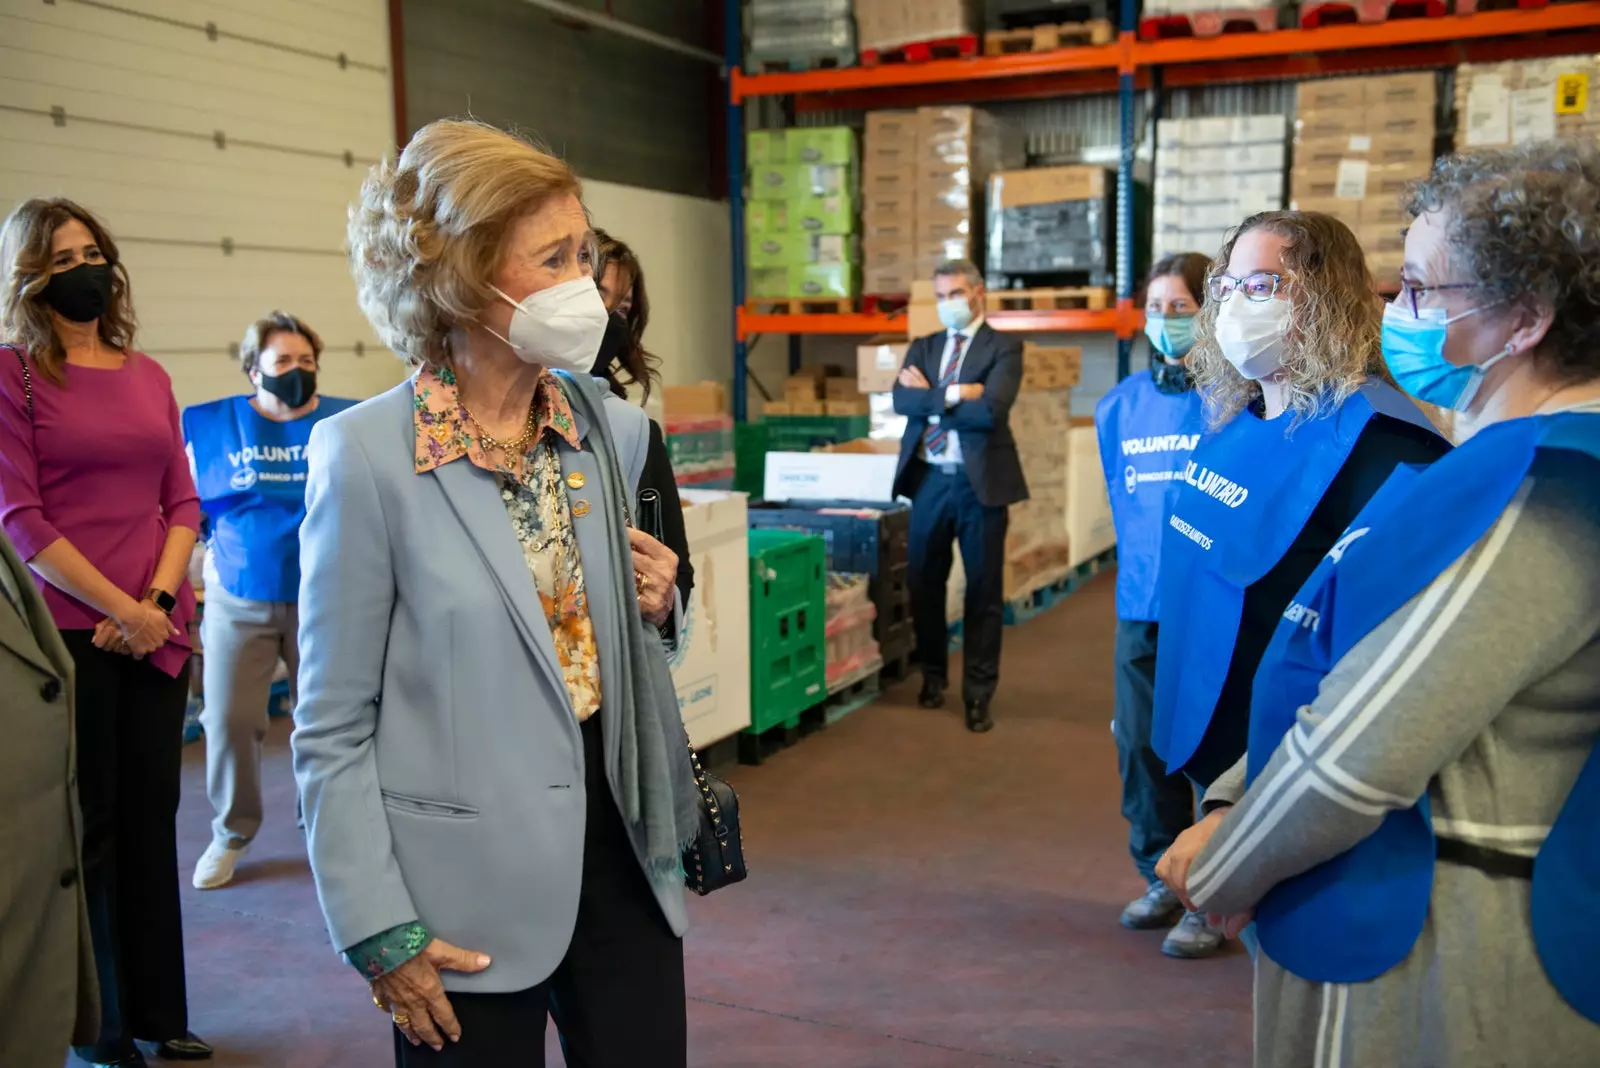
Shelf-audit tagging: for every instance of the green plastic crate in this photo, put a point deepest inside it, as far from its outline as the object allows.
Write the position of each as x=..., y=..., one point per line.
x=750, y=458
x=788, y=616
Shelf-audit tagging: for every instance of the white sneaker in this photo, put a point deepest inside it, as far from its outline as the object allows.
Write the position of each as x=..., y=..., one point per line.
x=215, y=869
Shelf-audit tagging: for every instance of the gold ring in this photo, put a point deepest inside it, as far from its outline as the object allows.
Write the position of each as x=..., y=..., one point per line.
x=641, y=581
x=379, y=1002
x=401, y=1019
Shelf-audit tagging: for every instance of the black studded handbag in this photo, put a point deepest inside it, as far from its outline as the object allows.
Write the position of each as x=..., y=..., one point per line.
x=716, y=857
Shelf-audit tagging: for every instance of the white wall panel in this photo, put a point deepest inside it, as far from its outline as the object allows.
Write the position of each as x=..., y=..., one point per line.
x=222, y=142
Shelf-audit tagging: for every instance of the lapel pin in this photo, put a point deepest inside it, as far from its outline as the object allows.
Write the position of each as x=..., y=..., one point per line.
x=576, y=480
x=580, y=508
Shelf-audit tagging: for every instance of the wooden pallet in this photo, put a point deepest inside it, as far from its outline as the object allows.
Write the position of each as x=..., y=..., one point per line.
x=1209, y=23
x=1317, y=14
x=853, y=694
x=963, y=47
x=1023, y=609
x=1467, y=7
x=885, y=303
x=1079, y=298
x=802, y=306
x=1048, y=38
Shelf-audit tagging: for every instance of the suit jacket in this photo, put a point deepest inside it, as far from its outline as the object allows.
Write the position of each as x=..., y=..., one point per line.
x=988, y=451
x=435, y=745
x=45, y=954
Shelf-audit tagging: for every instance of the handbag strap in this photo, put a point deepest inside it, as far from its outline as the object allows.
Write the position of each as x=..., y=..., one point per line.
x=27, y=378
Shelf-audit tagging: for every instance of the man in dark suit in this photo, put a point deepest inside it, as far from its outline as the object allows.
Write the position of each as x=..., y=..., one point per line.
x=959, y=466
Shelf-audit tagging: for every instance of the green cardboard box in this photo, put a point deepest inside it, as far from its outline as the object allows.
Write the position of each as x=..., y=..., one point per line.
x=785, y=181
x=809, y=281
x=822, y=215
x=786, y=250
x=821, y=144
x=766, y=216
x=763, y=147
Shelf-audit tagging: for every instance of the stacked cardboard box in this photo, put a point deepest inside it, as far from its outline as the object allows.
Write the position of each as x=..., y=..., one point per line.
x=1358, y=143
x=1051, y=220
x=800, y=34
x=888, y=203
x=1036, y=538
x=819, y=390
x=699, y=434
x=958, y=148
x=1526, y=100
x=800, y=217
x=1213, y=173
x=888, y=24
x=1050, y=367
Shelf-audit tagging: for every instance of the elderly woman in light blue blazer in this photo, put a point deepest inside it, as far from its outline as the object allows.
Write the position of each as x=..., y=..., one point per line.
x=495, y=789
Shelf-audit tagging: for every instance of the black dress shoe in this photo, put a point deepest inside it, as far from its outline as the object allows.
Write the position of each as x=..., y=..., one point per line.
x=132, y=1060
x=189, y=1047
x=978, y=721
x=932, y=695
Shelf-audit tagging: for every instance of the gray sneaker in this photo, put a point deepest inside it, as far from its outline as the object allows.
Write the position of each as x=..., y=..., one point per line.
x=1192, y=939
x=1154, y=908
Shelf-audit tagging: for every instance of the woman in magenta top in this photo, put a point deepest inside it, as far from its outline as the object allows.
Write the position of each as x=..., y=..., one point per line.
x=95, y=492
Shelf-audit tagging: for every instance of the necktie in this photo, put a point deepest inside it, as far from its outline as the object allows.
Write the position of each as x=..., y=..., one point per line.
x=934, y=437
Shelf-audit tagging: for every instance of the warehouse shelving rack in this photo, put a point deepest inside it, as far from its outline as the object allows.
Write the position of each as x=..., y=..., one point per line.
x=1125, y=66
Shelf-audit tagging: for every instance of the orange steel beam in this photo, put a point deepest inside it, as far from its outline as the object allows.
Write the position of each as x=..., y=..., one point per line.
x=982, y=91
x=1450, y=28
x=862, y=323
x=939, y=71
x=1053, y=320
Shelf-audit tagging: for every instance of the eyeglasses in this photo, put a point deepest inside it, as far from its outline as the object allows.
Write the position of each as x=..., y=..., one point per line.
x=1409, y=293
x=1257, y=287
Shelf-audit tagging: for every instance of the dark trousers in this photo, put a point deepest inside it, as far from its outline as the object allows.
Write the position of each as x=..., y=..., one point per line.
x=130, y=756
x=618, y=997
x=945, y=509
x=1157, y=806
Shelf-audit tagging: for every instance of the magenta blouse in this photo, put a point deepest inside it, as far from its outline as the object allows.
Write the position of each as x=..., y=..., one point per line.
x=101, y=464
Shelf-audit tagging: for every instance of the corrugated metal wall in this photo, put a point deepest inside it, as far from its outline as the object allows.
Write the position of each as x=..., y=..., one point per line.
x=221, y=142
x=618, y=109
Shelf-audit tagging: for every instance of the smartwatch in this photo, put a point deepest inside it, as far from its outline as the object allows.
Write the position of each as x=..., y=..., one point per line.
x=161, y=599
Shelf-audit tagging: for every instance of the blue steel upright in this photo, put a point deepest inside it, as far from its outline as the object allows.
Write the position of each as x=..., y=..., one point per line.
x=1128, y=23
x=733, y=56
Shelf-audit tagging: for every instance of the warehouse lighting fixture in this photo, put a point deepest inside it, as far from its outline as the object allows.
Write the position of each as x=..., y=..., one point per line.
x=599, y=20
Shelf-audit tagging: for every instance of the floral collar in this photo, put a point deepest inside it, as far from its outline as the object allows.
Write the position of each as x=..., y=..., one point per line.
x=444, y=433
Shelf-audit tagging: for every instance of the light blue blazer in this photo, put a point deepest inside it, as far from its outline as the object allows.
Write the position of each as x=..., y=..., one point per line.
x=435, y=745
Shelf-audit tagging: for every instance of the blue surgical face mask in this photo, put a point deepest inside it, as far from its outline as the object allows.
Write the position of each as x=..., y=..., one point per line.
x=1172, y=335
x=955, y=313
x=1414, y=350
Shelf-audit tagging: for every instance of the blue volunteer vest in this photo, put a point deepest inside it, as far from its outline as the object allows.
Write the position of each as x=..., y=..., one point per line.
x=1247, y=492
x=251, y=475
x=1358, y=915
x=1146, y=437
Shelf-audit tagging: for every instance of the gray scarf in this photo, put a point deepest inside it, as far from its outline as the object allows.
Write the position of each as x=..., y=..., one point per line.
x=655, y=781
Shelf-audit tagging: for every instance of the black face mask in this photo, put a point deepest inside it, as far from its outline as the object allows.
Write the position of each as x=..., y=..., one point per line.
x=1170, y=377
x=82, y=294
x=612, y=346
x=294, y=388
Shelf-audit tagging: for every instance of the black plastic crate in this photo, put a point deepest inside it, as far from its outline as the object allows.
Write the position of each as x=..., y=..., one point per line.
x=862, y=544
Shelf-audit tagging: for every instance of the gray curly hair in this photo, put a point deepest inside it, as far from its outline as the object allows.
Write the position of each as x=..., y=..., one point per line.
x=1525, y=223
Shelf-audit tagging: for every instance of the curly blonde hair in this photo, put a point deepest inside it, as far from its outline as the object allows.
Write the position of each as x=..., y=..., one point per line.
x=429, y=229
x=25, y=255
x=1522, y=222
x=1332, y=346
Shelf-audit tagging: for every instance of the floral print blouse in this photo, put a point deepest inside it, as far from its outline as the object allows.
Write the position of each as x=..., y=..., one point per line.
x=535, y=497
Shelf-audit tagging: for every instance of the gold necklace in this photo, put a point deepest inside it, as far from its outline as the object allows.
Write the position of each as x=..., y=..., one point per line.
x=514, y=447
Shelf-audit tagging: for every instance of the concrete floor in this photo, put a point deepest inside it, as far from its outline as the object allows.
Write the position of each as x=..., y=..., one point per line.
x=919, y=897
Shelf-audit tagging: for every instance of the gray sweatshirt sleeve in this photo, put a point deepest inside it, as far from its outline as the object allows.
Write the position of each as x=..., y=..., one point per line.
x=1227, y=788
x=1411, y=696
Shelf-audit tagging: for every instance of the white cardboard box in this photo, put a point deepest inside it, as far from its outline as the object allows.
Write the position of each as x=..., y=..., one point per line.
x=713, y=677
x=1089, y=528
x=799, y=476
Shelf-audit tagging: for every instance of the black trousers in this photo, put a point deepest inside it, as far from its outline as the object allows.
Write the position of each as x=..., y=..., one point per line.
x=130, y=755
x=1158, y=806
x=945, y=510
x=618, y=997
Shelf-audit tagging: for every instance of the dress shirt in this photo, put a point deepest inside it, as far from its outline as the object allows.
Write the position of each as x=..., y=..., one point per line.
x=952, y=392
